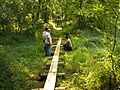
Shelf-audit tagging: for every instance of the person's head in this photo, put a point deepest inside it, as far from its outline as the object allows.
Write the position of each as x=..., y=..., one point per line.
x=67, y=34
x=66, y=37
x=49, y=30
x=46, y=28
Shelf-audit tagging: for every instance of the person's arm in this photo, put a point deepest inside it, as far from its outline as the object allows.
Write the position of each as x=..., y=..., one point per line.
x=49, y=41
x=67, y=42
x=48, y=38
x=43, y=35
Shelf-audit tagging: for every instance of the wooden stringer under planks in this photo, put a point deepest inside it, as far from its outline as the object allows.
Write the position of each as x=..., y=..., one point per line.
x=51, y=78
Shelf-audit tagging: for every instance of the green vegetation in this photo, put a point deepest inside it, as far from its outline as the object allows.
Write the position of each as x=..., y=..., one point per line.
x=89, y=65
x=94, y=28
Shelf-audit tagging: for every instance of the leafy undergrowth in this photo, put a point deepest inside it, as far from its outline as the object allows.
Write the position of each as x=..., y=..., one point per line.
x=19, y=61
x=87, y=67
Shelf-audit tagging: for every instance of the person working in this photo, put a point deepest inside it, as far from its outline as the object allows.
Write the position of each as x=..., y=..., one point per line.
x=68, y=45
x=43, y=35
x=48, y=42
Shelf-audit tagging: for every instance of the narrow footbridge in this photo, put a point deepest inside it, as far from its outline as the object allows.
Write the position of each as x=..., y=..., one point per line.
x=52, y=74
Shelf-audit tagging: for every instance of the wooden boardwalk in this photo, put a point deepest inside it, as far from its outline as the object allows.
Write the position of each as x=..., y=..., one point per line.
x=52, y=74
x=51, y=78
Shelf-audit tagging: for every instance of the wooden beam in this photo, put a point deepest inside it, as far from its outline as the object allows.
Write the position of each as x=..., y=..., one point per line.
x=60, y=88
x=58, y=75
x=56, y=45
x=51, y=78
x=60, y=57
x=38, y=77
x=43, y=76
x=59, y=63
x=38, y=89
x=57, y=88
x=61, y=52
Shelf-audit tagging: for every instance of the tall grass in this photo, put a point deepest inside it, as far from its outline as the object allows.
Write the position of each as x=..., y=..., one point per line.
x=20, y=56
x=83, y=65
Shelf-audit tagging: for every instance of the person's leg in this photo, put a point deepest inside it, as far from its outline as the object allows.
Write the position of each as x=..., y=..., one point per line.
x=65, y=47
x=69, y=48
x=48, y=50
x=45, y=47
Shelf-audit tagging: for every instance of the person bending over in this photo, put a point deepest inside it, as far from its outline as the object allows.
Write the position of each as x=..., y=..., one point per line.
x=68, y=45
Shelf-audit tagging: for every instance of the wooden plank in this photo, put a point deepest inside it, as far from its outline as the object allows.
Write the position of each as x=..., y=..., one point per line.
x=61, y=52
x=59, y=63
x=58, y=74
x=60, y=88
x=51, y=78
x=56, y=45
x=60, y=57
x=38, y=89
x=57, y=88
x=43, y=76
